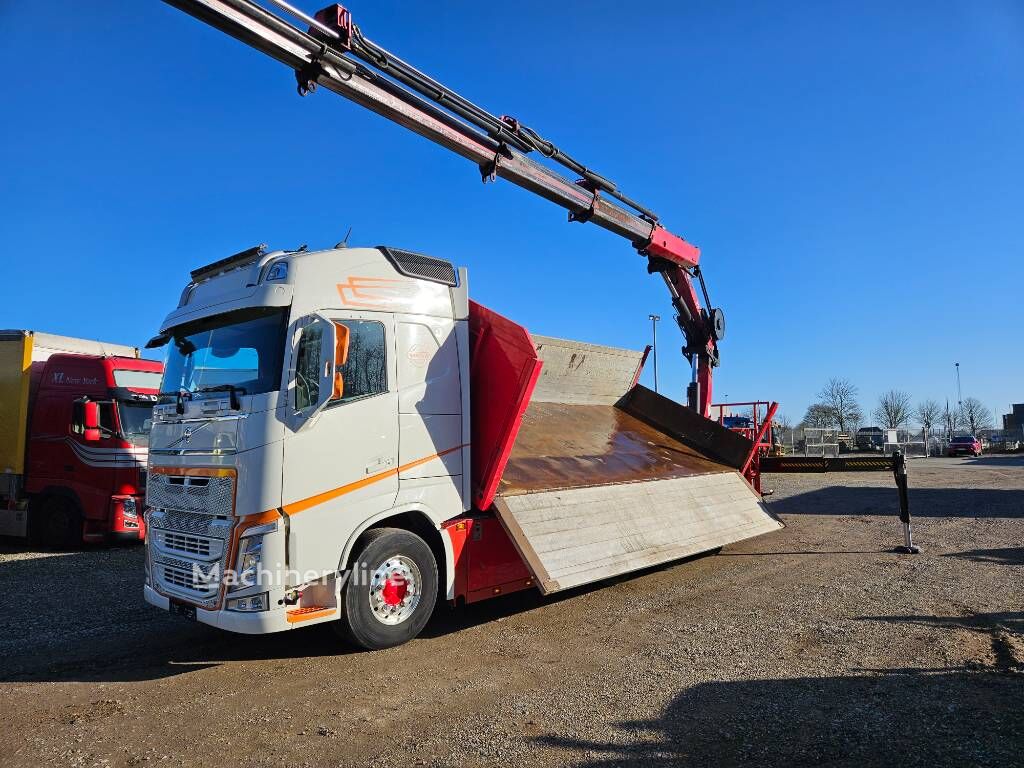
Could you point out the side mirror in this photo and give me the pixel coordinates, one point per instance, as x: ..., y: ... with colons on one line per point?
x: 315, y: 379
x: 91, y: 421
x: 341, y: 339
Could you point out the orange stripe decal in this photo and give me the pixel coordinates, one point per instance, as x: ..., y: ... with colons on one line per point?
x: 301, y: 506
x: 195, y: 471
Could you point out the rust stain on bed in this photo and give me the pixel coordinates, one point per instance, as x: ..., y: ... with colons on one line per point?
x: 575, y: 446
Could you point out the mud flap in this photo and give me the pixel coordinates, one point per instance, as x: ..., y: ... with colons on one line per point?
x: 576, y: 536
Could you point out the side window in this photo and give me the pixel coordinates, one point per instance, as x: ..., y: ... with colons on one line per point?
x: 365, y: 372
x: 307, y: 367
x: 106, y: 418
x: 77, y: 417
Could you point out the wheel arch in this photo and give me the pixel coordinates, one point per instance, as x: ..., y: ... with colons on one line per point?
x: 37, y: 521
x: 61, y: 491
x: 415, y: 520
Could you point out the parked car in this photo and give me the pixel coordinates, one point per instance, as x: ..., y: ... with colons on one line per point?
x: 964, y: 444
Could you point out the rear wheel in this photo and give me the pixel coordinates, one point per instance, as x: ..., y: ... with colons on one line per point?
x: 57, y: 523
x: 391, y: 591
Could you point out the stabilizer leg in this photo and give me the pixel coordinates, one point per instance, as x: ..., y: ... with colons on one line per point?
x: 899, y: 470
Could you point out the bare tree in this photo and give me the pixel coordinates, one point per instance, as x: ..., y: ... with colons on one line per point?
x: 784, y: 428
x: 893, y: 409
x: 928, y: 413
x: 818, y: 416
x: 840, y: 397
x: 952, y: 420
x: 975, y: 415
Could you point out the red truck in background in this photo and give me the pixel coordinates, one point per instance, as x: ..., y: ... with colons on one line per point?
x: 75, y: 417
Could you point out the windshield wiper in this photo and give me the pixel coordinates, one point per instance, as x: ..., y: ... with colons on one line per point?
x: 179, y: 398
x: 232, y: 389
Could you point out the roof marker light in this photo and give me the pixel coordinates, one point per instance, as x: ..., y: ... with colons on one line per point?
x: 277, y: 271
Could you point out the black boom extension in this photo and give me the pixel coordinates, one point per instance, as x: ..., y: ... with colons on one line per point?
x: 897, y: 464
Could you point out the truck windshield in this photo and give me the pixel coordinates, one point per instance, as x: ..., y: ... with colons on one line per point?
x: 136, y: 421
x: 242, y: 349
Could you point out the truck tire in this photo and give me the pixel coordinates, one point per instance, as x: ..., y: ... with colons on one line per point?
x: 56, y: 523
x: 391, y: 590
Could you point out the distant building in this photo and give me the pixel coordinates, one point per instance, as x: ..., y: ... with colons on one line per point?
x: 1014, y: 421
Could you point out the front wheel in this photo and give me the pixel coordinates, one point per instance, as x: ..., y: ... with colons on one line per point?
x: 391, y: 589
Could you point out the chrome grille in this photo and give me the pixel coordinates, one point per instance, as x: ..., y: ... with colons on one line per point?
x: 190, y: 493
x: 196, y: 582
x: 190, y: 581
x: 185, y: 549
x: 190, y: 522
x: 182, y: 542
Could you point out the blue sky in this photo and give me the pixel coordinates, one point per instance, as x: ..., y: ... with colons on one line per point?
x: 851, y: 171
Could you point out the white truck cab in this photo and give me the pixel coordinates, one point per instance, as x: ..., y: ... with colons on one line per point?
x: 346, y: 366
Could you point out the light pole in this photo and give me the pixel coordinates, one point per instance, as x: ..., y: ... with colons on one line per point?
x: 959, y: 397
x: 654, y: 345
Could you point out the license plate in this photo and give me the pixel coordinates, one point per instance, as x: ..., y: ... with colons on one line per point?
x: 183, y: 609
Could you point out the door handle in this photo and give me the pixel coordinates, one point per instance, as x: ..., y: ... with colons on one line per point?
x: 379, y: 464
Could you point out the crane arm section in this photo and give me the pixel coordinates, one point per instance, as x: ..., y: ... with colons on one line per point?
x: 329, y: 54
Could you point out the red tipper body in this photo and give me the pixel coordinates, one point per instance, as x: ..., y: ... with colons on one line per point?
x: 504, y: 368
x: 97, y: 476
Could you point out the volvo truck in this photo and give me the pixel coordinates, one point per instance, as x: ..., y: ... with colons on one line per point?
x: 75, y: 416
x: 344, y: 436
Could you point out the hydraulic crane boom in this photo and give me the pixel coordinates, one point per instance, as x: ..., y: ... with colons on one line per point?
x: 328, y: 54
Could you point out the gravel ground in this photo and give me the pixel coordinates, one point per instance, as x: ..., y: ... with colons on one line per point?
x: 814, y: 645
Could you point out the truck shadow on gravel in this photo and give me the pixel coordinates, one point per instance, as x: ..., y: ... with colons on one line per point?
x: 919, y: 718
x: 1003, y: 556
x: 998, y: 460
x: 102, y: 630
x: 449, y: 621
x: 924, y: 502
x: 80, y: 617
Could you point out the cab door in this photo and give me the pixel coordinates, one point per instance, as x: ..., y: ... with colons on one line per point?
x: 341, y: 446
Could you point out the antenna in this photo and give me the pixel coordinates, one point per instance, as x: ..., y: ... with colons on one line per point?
x: 344, y: 243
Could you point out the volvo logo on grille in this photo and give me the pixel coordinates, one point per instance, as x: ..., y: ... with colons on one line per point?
x: 186, y: 435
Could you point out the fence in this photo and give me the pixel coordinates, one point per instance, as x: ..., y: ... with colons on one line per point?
x: 811, y: 441
x: 824, y: 441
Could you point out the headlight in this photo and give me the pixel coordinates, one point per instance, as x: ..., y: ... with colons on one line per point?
x: 128, y: 506
x: 250, y: 551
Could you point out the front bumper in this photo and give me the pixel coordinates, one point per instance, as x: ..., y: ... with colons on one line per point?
x: 232, y: 621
